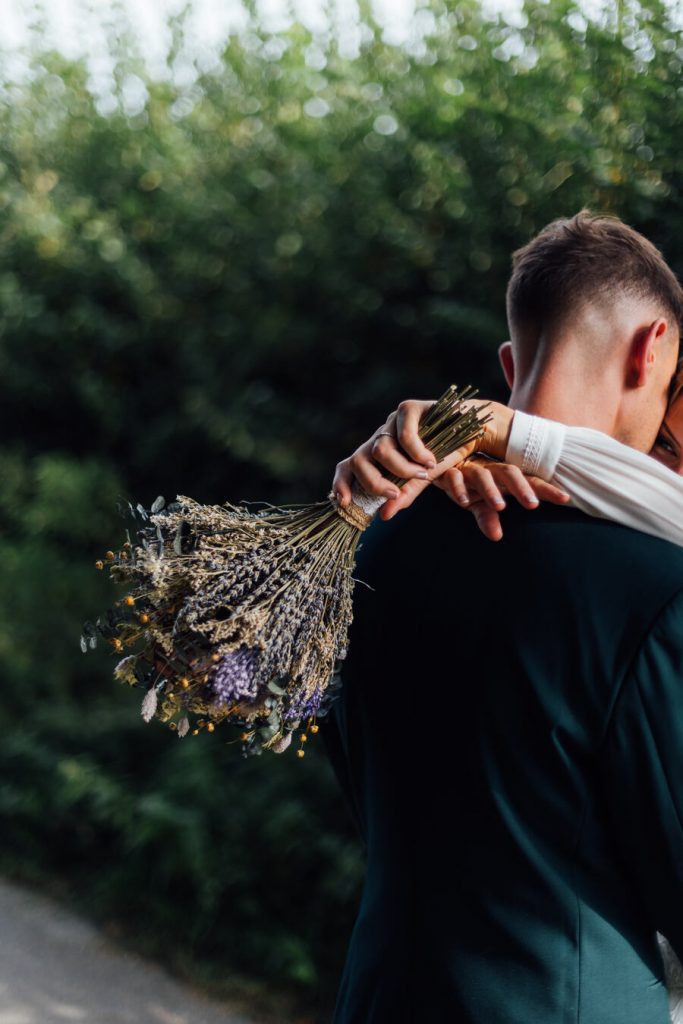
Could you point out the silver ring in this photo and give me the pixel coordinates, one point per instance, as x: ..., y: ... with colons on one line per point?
x: 384, y: 433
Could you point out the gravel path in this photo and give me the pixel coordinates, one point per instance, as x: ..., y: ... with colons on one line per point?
x: 56, y: 968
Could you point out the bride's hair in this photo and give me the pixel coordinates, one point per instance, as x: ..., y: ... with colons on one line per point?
x: 580, y: 259
x: 676, y: 383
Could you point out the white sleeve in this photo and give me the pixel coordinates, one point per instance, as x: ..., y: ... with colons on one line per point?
x: 604, y: 477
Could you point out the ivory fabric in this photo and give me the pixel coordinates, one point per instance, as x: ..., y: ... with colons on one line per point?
x: 604, y: 477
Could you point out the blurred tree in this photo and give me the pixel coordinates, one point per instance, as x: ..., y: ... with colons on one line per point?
x: 218, y: 284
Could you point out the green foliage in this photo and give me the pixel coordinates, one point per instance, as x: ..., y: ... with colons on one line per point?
x: 218, y: 285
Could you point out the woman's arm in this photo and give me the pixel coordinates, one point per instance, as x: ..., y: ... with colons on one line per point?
x: 604, y: 477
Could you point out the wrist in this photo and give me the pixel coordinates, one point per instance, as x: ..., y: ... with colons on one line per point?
x: 497, y: 431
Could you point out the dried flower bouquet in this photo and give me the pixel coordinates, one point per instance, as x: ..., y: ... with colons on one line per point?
x: 242, y: 616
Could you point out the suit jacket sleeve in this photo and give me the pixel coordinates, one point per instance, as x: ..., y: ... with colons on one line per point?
x: 641, y: 769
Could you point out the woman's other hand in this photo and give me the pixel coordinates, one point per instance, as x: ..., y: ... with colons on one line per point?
x: 480, y: 485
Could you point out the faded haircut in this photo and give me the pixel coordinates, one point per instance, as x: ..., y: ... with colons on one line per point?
x: 581, y: 259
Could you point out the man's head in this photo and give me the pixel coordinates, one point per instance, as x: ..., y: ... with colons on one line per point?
x: 593, y: 300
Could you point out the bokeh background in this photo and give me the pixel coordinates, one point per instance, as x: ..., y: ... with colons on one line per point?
x: 224, y: 257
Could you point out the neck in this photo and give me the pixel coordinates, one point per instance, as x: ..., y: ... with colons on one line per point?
x: 580, y: 396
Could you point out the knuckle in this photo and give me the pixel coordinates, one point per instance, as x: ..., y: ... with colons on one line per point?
x: 404, y: 436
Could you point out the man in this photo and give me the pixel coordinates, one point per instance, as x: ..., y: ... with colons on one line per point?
x: 510, y: 733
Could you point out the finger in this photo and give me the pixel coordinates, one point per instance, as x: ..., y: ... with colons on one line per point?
x: 513, y: 480
x: 368, y: 475
x: 549, y: 492
x: 341, y: 484
x: 480, y: 480
x: 488, y: 520
x: 407, y: 495
x: 386, y: 451
x: 408, y: 416
x: 453, y: 483
x: 455, y: 458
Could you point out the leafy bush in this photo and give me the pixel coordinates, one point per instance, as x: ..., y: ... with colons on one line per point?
x: 218, y: 285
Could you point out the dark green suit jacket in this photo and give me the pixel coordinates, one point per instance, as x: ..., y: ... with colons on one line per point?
x: 510, y: 741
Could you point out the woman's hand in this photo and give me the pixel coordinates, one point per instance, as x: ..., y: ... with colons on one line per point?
x: 396, y: 447
x: 479, y: 485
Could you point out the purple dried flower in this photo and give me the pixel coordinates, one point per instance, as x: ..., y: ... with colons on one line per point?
x: 234, y: 677
x: 303, y: 708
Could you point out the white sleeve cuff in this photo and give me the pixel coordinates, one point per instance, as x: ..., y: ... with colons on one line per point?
x: 535, y: 444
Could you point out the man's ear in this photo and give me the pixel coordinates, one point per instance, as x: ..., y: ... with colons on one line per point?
x: 644, y: 351
x: 507, y: 362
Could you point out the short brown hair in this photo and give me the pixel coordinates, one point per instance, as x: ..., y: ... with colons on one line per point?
x: 582, y: 258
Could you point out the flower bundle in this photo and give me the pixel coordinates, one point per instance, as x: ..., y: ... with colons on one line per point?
x: 242, y: 616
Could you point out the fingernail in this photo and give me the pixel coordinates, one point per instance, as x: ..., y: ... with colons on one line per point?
x: 532, y: 499
x: 338, y: 497
x: 422, y: 474
x: 499, y: 503
x: 463, y: 499
x: 430, y: 464
x: 391, y: 494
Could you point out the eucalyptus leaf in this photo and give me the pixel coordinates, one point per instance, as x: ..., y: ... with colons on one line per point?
x: 158, y: 504
x: 84, y: 645
x: 268, y: 731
